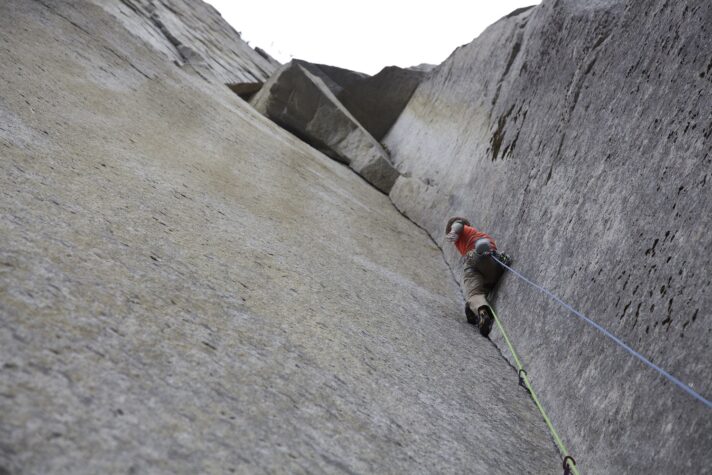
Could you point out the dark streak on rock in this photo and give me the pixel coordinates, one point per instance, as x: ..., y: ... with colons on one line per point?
x: 209, y: 345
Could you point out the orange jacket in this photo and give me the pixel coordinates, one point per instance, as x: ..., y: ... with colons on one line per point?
x: 468, y: 237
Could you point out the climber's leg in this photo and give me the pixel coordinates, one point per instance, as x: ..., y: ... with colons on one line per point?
x: 475, y: 292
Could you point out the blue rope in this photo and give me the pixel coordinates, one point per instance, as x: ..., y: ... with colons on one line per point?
x: 620, y: 342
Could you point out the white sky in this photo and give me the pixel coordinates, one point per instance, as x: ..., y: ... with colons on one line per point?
x: 364, y: 35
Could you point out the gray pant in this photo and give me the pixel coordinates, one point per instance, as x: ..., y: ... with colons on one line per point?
x: 481, y: 275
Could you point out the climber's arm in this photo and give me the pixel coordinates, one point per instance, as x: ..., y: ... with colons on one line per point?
x: 455, y: 231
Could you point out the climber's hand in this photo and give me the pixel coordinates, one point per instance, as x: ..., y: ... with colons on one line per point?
x: 455, y: 231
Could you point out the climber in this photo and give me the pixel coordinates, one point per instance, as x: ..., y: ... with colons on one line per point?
x: 481, y: 271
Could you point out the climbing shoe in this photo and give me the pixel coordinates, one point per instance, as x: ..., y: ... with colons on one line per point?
x: 486, y: 321
x: 472, y: 317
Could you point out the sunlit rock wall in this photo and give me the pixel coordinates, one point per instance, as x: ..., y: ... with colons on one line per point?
x: 193, y: 34
x: 579, y: 134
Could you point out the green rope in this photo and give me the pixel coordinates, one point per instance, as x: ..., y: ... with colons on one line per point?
x: 525, y: 378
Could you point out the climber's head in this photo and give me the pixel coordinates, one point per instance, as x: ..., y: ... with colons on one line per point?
x: 452, y: 221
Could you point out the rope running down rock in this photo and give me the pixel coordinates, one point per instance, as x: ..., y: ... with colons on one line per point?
x: 569, y: 463
x: 617, y: 340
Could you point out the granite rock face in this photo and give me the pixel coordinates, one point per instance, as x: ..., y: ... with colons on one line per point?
x: 374, y: 101
x: 246, y: 90
x: 423, y: 67
x: 579, y: 134
x: 377, y: 101
x: 193, y: 33
x: 187, y: 288
x: 337, y: 78
x: 343, y: 113
x: 301, y: 102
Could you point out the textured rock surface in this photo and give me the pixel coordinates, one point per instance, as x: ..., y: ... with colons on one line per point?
x: 186, y: 288
x: 246, y: 90
x: 578, y: 133
x: 339, y: 78
x: 377, y: 101
x: 299, y: 100
x: 424, y: 67
x: 374, y: 101
x: 192, y: 32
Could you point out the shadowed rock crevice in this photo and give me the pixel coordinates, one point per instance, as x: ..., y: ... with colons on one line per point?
x: 246, y: 90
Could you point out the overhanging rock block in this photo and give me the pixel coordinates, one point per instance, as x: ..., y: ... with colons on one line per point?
x: 300, y: 101
x: 377, y: 101
x: 338, y: 78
